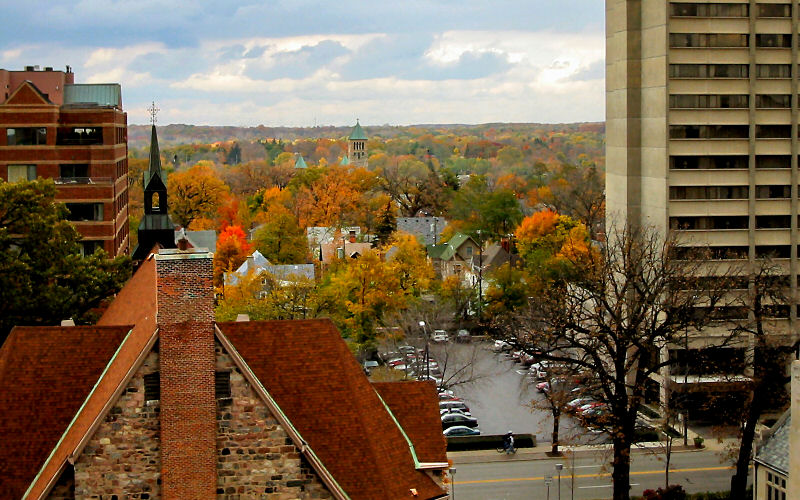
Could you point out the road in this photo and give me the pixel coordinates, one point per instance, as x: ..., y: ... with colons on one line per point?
x: 697, y: 471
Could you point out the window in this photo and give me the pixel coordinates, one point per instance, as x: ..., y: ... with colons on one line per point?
x: 708, y: 192
x: 26, y: 136
x: 776, y: 487
x: 708, y: 10
x: 679, y: 40
x: 88, y: 247
x: 18, y: 173
x: 152, y: 386
x: 79, y: 136
x: 773, y: 131
x: 709, y: 131
x: 707, y: 162
x: 773, y: 161
x: 774, y: 10
x: 85, y: 211
x: 709, y: 70
x: 708, y: 101
x: 708, y: 222
x: 222, y: 385
x: 773, y: 251
x: 468, y: 250
x: 773, y: 101
x: 74, y: 172
x: 767, y: 41
x: 774, y: 70
x: 771, y: 192
x: 713, y: 253
x: 773, y: 221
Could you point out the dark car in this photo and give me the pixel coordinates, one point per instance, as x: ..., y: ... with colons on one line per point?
x: 453, y: 419
x: 461, y: 430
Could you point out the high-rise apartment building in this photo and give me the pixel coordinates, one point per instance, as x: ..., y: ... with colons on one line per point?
x: 75, y: 134
x: 702, y: 139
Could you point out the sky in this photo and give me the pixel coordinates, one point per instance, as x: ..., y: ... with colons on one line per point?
x: 305, y: 63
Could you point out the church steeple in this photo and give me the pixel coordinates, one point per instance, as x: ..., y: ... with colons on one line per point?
x: 156, y: 226
x: 357, y: 146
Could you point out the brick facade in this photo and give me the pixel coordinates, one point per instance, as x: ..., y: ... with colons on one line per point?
x: 255, y: 456
x: 188, y: 407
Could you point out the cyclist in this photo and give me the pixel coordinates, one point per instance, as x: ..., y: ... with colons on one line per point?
x: 508, y: 443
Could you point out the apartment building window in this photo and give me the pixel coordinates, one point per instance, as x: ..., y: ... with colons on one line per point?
x: 79, y: 136
x: 771, y: 192
x: 26, y: 136
x: 719, y: 40
x: 709, y: 131
x: 774, y: 10
x: 708, y: 10
x: 708, y: 192
x: 75, y: 173
x: 773, y: 101
x: 17, y: 173
x: 773, y: 131
x: 773, y: 161
x: 85, y: 211
x: 707, y: 162
x: 88, y: 247
x: 770, y: 40
x: 708, y: 222
x: 773, y: 221
x: 774, y: 70
x: 708, y: 101
x: 773, y: 251
x: 709, y: 71
x: 712, y: 253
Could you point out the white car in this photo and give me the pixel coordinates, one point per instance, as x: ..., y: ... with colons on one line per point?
x: 440, y: 336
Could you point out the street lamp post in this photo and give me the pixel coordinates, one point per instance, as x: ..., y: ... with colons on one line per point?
x: 548, y: 480
x: 559, y: 467
x: 480, y: 274
x: 453, y: 483
x: 427, y: 350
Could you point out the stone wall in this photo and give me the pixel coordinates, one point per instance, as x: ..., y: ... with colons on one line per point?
x: 123, y: 457
x: 255, y: 456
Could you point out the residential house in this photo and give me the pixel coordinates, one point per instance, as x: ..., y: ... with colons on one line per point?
x: 158, y: 400
x: 283, y: 273
x: 771, y: 463
x: 459, y: 256
x: 427, y: 229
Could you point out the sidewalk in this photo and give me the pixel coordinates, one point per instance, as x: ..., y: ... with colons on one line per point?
x: 541, y: 451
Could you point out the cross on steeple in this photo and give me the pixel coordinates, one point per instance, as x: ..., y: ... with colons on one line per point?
x: 153, y: 110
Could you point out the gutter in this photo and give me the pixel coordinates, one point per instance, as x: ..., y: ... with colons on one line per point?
x: 327, y: 478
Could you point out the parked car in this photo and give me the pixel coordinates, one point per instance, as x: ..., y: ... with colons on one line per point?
x: 459, y: 405
x: 440, y: 336
x: 461, y: 430
x: 445, y: 411
x: 501, y: 346
x: 578, y: 402
x: 463, y: 336
x: 537, y: 371
x: 454, y: 419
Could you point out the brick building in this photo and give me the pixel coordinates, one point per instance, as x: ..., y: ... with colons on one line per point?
x: 160, y: 401
x: 75, y: 134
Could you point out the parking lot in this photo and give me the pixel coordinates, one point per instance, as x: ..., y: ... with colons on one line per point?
x: 500, y: 395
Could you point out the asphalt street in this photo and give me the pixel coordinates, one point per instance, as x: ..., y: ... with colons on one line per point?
x: 514, y: 479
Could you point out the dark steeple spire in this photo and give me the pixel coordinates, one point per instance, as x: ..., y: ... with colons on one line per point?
x: 155, y: 157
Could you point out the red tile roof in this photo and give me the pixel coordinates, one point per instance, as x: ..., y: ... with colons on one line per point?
x: 315, y: 380
x: 46, y: 373
x: 416, y: 407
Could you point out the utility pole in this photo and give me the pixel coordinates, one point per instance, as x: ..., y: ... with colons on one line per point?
x: 427, y: 349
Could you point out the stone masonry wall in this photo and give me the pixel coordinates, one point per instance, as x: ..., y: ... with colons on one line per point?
x: 122, y: 459
x: 255, y: 456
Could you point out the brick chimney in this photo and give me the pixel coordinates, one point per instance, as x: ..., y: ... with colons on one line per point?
x: 186, y: 352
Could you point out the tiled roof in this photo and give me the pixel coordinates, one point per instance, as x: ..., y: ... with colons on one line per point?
x: 45, y: 376
x: 423, y: 227
x: 774, y: 453
x: 357, y: 134
x: 315, y: 380
x: 416, y: 406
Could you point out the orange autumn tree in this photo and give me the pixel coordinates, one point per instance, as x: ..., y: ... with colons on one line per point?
x: 550, y: 243
x: 232, y: 250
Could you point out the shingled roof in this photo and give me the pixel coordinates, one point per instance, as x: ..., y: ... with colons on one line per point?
x: 45, y: 377
x: 332, y: 405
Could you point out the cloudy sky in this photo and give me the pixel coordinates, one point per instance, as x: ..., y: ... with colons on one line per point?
x: 306, y: 62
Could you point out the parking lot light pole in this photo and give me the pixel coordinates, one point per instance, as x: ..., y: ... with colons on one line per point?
x: 559, y: 467
x: 548, y: 480
x: 427, y: 350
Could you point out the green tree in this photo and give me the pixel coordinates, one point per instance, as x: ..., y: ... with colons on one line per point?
x: 43, y: 277
x: 281, y: 240
x: 387, y: 223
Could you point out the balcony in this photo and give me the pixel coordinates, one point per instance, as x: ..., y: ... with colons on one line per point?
x: 83, y: 180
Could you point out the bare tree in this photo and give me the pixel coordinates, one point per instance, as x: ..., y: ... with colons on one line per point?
x: 615, y: 318
x: 557, y: 393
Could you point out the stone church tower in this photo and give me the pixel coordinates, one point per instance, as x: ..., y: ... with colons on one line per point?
x: 357, y: 146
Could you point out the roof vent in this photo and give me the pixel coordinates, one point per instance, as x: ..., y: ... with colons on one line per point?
x: 67, y: 322
x: 28, y: 68
x: 242, y: 317
x: 48, y: 68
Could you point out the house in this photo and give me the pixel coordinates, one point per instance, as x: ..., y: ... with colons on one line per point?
x: 284, y: 273
x: 77, y: 135
x: 160, y: 401
x: 459, y: 256
x: 427, y: 229
x: 771, y: 463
